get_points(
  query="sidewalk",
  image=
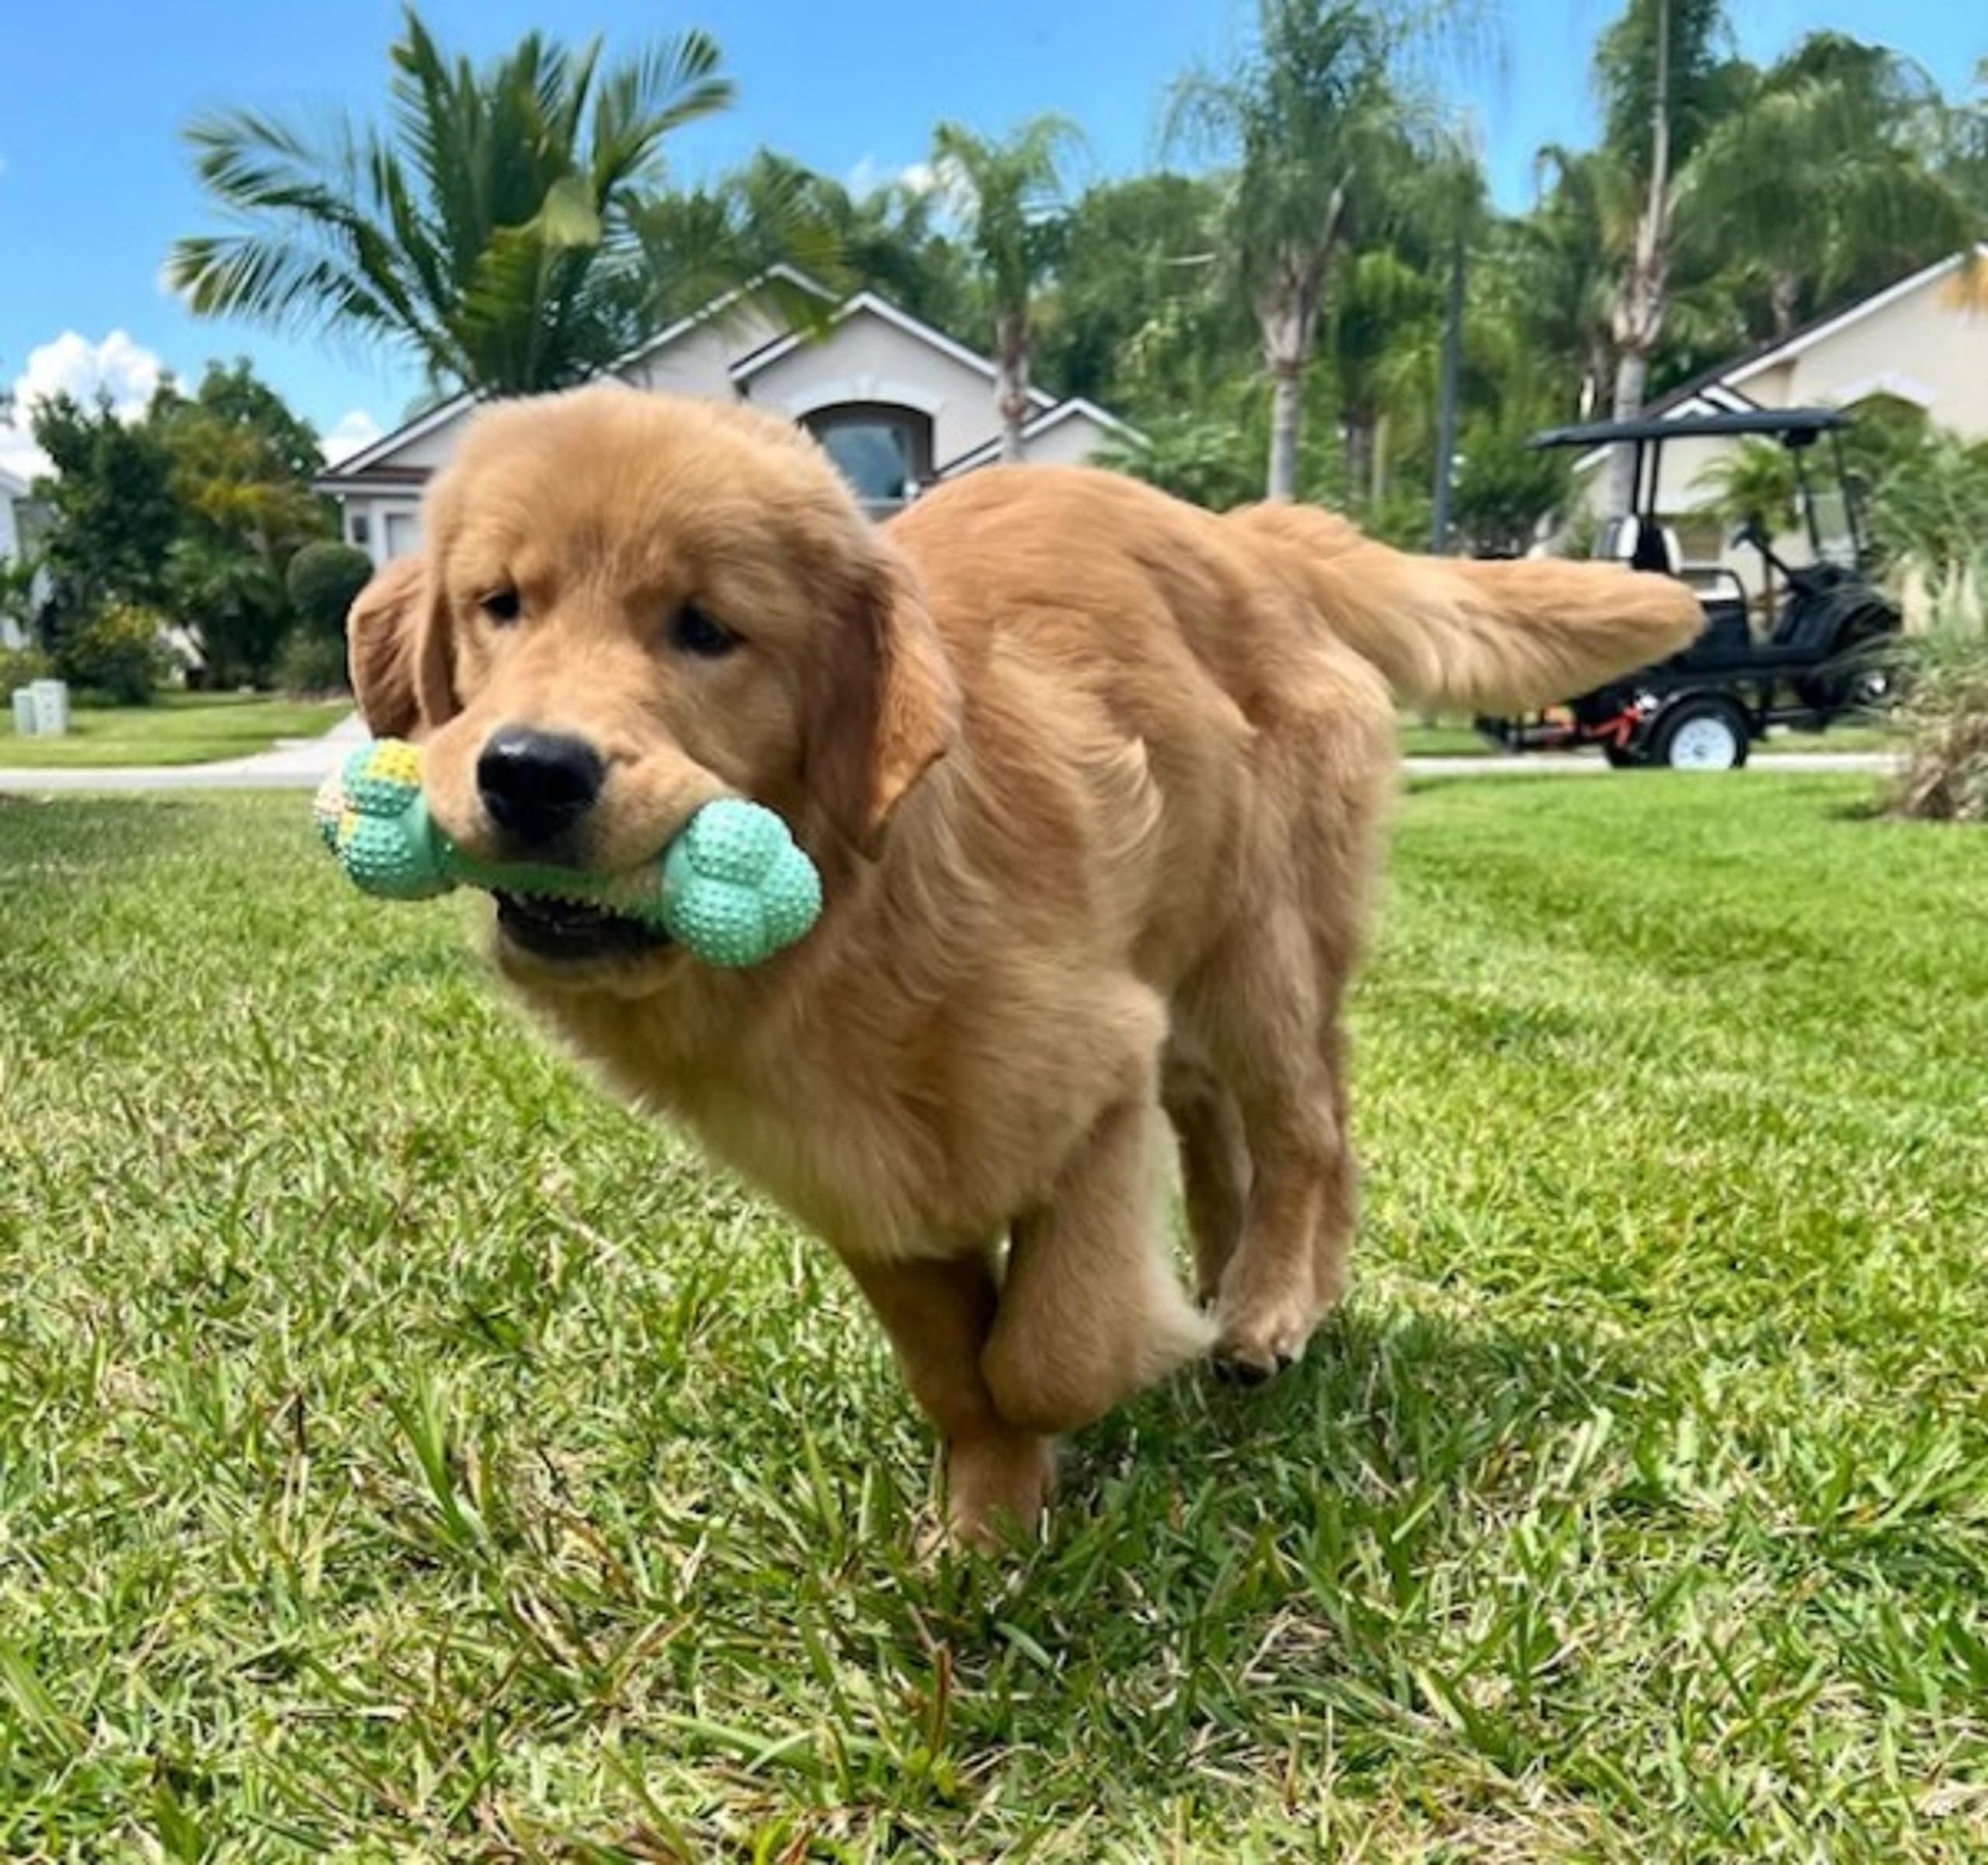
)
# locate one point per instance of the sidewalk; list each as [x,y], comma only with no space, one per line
[299,764]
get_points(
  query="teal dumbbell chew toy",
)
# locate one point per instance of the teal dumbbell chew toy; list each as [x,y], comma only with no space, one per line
[733,889]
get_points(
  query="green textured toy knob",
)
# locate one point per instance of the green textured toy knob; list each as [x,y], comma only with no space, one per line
[736,889]
[733,889]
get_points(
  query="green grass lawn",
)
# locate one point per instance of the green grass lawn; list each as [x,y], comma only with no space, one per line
[403,1455]
[176,728]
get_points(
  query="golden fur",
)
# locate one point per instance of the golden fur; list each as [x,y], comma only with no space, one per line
[1095,781]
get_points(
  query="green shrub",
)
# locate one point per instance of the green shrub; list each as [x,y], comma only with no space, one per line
[1945,777]
[21,667]
[312,663]
[116,653]
[323,580]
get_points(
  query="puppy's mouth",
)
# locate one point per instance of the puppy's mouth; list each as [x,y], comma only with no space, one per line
[569,931]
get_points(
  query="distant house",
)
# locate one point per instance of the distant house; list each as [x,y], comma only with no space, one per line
[898,405]
[1922,341]
[20,517]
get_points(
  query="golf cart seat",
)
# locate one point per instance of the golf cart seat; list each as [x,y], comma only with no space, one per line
[1641,543]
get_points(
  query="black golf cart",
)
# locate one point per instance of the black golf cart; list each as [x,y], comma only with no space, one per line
[1803,651]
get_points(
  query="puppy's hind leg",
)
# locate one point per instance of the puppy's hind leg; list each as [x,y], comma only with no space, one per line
[1214,1168]
[1288,1267]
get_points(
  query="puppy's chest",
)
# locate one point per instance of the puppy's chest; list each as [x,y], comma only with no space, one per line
[890,1136]
[827,1124]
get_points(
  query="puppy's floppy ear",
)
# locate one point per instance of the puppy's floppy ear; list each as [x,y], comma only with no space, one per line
[883,706]
[397,642]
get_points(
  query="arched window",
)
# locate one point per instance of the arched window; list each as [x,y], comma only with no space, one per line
[884,452]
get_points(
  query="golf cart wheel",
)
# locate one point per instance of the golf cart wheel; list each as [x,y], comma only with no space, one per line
[1620,757]
[1701,734]
[1871,690]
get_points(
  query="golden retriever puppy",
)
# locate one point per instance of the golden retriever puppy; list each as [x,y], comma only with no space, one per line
[1096,782]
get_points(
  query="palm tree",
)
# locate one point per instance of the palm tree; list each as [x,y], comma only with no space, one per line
[488,231]
[1310,119]
[1826,184]
[1564,258]
[1753,483]
[696,245]
[1009,195]
[1664,85]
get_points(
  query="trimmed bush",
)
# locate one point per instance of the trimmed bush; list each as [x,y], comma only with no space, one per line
[313,663]
[1945,777]
[117,654]
[21,667]
[323,580]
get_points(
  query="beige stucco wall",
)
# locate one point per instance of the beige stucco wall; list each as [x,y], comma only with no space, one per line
[436,447]
[1070,442]
[867,358]
[698,362]
[392,522]
[1928,338]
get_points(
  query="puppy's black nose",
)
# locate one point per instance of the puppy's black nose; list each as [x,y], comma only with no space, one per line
[538,785]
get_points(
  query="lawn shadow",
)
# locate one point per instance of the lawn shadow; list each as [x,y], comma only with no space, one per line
[1408,1399]
[1383,1458]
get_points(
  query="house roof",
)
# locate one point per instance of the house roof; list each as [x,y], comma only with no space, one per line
[792,275]
[1719,388]
[769,353]
[1774,351]
[367,459]
[1054,416]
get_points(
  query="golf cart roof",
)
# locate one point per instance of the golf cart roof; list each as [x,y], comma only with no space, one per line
[1797,425]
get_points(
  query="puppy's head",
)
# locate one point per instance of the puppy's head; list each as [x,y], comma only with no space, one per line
[627,605]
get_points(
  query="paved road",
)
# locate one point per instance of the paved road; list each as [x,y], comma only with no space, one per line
[1585,764]
[302,764]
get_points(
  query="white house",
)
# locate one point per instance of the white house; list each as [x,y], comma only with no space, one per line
[17,522]
[1922,341]
[898,405]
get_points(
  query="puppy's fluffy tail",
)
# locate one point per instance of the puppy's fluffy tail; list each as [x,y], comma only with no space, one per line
[1458,636]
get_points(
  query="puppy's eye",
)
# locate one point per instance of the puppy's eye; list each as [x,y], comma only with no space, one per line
[694,632]
[501,605]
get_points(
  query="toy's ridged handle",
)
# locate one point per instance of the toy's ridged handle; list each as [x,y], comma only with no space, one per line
[733,889]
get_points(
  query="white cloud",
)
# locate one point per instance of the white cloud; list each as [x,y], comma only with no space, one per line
[119,367]
[869,175]
[19,454]
[354,429]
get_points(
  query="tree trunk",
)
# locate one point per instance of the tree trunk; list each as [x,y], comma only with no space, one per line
[1359,428]
[1446,405]
[1631,373]
[1287,417]
[1639,313]
[1287,322]
[1784,295]
[1011,381]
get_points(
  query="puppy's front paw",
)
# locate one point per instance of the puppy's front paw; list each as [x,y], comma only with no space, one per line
[1257,1338]
[997,1488]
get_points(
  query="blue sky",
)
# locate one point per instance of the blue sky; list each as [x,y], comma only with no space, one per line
[94,183]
